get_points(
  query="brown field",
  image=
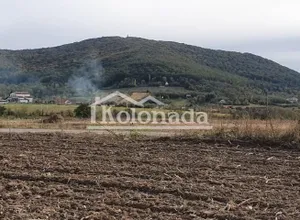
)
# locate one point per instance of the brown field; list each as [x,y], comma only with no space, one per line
[85,176]
[72,123]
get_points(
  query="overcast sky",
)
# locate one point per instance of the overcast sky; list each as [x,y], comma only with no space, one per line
[270,28]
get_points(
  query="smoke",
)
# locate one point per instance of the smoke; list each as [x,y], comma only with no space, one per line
[82,86]
[85,81]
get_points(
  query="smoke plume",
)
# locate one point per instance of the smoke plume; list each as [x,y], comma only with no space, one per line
[86,81]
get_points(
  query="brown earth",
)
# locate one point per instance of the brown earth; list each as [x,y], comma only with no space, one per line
[88,176]
[54,118]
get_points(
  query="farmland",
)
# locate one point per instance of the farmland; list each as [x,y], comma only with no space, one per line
[87,176]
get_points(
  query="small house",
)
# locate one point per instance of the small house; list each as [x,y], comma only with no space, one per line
[20,97]
[222,102]
[292,100]
[62,101]
[145,98]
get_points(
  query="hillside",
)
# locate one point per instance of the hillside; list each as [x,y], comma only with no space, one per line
[113,62]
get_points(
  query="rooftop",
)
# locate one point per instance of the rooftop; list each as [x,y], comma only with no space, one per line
[138,96]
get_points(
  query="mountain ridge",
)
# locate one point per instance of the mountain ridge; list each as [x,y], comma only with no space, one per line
[116,62]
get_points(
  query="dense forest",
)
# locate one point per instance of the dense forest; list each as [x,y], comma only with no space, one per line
[83,68]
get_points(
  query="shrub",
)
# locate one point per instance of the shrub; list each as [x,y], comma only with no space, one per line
[2,110]
[83,111]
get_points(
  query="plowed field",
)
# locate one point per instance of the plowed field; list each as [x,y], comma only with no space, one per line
[64,176]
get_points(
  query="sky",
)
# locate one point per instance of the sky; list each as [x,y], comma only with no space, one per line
[270,28]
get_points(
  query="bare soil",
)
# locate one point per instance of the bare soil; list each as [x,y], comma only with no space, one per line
[88,176]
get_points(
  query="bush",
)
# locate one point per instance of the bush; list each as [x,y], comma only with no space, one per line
[83,111]
[2,110]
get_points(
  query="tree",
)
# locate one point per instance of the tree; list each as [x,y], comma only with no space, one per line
[209,97]
[83,111]
[2,110]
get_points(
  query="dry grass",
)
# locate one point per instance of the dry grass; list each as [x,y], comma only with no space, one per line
[37,124]
[284,132]
[271,131]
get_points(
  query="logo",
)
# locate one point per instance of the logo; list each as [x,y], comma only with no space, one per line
[118,111]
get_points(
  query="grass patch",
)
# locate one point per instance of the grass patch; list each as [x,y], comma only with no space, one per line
[272,133]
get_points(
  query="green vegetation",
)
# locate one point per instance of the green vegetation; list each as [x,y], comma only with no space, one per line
[80,69]
[36,110]
[83,111]
[2,110]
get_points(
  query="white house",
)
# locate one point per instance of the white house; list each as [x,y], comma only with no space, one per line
[21,97]
[292,100]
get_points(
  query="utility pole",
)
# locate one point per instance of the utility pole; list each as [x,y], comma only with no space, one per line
[267,108]
[267,97]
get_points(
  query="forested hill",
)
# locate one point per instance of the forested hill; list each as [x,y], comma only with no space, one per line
[115,62]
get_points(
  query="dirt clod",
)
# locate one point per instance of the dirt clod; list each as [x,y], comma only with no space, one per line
[88,176]
[54,118]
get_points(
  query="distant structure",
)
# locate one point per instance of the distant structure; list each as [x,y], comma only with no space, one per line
[115,98]
[118,98]
[62,101]
[3,101]
[145,98]
[292,100]
[151,100]
[222,102]
[20,97]
[135,99]
[138,96]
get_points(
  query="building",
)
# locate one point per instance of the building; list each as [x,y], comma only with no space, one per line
[115,98]
[292,100]
[20,97]
[222,102]
[118,98]
[62,101]
[151,100]
[2,102]
[135,99]
[138,96]
[144,98]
